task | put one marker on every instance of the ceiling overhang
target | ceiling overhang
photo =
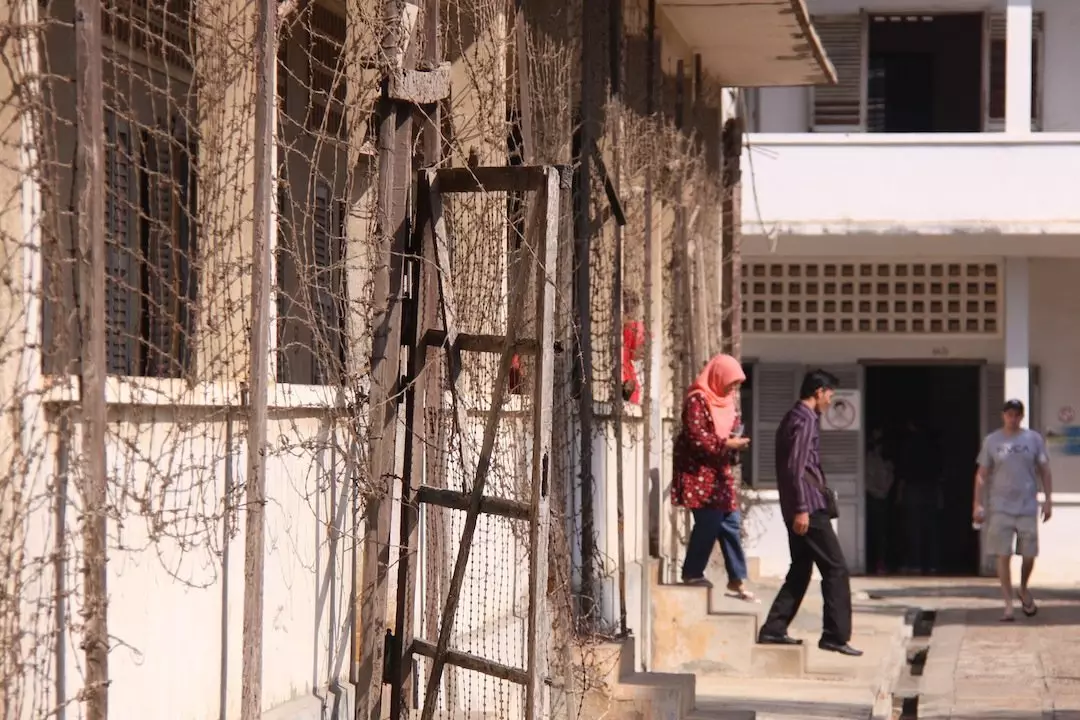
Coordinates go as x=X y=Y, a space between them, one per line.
x=753 y=43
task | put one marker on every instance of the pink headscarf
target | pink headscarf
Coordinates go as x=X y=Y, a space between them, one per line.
x=719 y=373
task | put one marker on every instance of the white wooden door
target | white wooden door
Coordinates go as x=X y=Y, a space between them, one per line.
x=842 y=458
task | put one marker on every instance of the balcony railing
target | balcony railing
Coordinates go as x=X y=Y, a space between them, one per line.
x=817 y=184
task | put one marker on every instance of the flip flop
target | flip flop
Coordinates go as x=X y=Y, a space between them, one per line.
x=742 y=594
x=1008 y=618
x=1029 y=609
x=699 y=582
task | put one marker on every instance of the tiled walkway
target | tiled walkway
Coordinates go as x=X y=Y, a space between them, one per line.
x=981 y=669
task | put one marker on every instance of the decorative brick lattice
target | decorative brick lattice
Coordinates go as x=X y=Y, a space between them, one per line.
x=957 y=298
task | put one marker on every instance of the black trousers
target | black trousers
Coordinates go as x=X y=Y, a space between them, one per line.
x=819 y=546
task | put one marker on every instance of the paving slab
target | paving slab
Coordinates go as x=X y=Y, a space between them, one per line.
x=980 y=668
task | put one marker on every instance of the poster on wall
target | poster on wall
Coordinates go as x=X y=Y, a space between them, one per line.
x=845 y=412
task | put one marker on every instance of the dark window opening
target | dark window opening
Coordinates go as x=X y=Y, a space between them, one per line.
x=925 y=73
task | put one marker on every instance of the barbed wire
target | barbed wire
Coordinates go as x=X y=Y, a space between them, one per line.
x=179 y=98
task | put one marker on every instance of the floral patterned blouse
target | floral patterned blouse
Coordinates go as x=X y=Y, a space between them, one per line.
x=703 y=475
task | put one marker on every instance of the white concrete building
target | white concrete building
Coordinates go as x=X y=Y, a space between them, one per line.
x=915 y=230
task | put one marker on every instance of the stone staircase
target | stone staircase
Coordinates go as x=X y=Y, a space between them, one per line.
x=712 y=635
x=708 y=665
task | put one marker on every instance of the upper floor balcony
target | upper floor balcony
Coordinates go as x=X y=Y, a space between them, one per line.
x=941 y=122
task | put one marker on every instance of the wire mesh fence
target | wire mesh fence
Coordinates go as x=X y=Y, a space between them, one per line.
x=177 y=161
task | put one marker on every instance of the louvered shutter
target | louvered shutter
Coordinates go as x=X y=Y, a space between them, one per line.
x=776 y=388
x=120 y=224
x=284 y=229
x=996 y=29
x=187 y=185
x=163 y=302
x=328 y=230
x=839 y=108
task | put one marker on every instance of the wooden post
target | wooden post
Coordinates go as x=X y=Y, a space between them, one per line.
x=422 y=388
x=731 y=236
x=650 y=397
x=615 y=35
x=683 y=305
x=92 y=280
x=395 y=173
x=259 y=376
x=543 y=399
x=592 y=62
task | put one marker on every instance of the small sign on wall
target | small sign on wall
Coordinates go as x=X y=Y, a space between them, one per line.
x=845 y=412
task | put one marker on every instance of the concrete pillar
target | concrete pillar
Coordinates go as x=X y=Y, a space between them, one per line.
x=1017 y=344
x=1018 y=23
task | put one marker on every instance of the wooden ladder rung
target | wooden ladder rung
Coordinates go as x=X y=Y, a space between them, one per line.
x=502 y=178
x=468 y=661
x=472 y=342
x=456 y=500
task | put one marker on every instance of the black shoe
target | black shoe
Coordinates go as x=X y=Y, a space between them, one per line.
x=841 y=648
x=785 y=639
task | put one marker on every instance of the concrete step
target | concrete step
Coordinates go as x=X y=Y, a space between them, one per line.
x=775 y=698
x=616 y=692
x=660 y=695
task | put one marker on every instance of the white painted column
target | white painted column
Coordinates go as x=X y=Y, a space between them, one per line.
x=1018 y=25
x=1017 y=317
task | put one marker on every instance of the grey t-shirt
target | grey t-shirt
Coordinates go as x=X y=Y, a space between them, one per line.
x=1012 y=464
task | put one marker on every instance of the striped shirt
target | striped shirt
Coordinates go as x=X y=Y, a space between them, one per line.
x=799 y=476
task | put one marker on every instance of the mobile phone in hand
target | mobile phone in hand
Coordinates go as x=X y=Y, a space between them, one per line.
x=738 y=430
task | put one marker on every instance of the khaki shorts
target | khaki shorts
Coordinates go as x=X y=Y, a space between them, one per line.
x=1002 y=529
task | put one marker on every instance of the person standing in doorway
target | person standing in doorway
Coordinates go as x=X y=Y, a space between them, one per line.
x=879 y=483
x=705 y=455
x=1014 y=460
x=808 y=507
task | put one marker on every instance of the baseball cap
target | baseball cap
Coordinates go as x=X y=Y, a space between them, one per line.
x=1013 y=405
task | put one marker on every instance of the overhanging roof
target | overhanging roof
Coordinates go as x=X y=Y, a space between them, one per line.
x=753 y=43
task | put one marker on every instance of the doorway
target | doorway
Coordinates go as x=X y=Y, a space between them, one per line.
x=924 y=420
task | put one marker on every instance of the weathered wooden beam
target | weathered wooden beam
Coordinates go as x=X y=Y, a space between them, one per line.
x=421 y=87
x=467 y=661
x=460 y=501
x=515 y=178
x=470 y=342
x=543 y=400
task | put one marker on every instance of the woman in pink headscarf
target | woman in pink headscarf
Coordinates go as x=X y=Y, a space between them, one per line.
x=706 y=451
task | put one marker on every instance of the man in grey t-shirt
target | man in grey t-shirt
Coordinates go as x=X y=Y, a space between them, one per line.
x=1013 y=460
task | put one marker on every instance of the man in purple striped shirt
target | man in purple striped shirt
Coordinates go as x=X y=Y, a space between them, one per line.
x=811 y=538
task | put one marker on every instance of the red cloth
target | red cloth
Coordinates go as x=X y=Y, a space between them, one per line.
x=633 y=346
x=703 y=474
